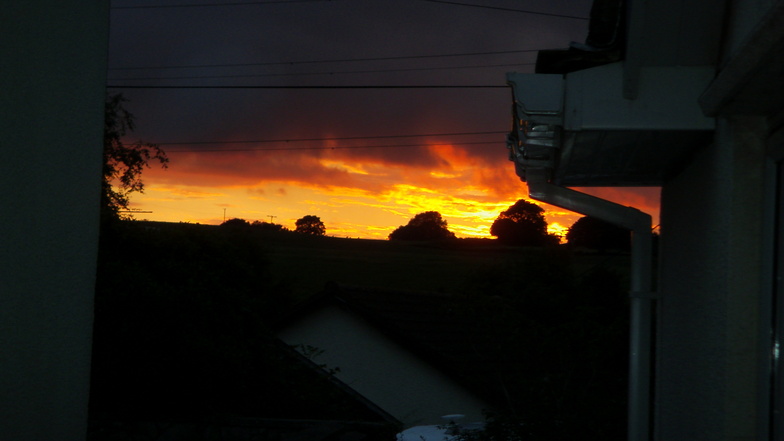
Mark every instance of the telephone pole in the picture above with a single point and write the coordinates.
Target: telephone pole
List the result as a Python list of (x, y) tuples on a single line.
[(271, 217)]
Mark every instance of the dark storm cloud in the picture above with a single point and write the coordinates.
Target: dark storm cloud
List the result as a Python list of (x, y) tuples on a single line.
[(161, 38)]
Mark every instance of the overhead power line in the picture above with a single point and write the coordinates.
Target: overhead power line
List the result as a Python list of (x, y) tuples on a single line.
[(274, 2), (340, 138), (293, 149), (525, 11), (335, 60), (200, 5), (294, 74), (451, 86)]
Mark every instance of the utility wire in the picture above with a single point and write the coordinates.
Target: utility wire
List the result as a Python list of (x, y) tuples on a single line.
[(341, 138), (293, 74), (291, 149), (525, 11), (451, 86), (338, 60), (272, 2), (199, 5)]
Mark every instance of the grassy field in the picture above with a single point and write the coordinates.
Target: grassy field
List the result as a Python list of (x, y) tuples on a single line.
[(310, 265), (306, 264), (177, 303)]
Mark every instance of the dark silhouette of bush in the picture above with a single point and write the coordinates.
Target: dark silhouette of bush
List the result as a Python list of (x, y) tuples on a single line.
[(181, 331), (235, 223), (268, 227), (522, 224), (565, 331), (593, 233), (427, 226), (310, 225)]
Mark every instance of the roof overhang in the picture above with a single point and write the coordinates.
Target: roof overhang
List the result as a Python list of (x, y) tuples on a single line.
[(633, 122), (581, 127)]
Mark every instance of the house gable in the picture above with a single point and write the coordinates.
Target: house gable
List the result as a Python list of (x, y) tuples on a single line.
[(384, 368)]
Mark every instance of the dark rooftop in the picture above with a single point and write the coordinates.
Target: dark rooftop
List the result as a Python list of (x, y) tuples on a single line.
[(434, 326)]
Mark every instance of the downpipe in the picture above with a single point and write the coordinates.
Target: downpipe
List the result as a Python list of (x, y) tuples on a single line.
[(641, 297)]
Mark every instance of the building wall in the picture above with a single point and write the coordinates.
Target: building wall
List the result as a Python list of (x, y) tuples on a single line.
[(383, 372), (712, 248), (741, 19), (52, 76)]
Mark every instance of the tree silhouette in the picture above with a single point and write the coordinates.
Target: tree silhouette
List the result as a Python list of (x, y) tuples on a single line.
[(268, 226), (522, 224), (236, 223), (310, 225), (424, 226), (123, 163), (590, 232)]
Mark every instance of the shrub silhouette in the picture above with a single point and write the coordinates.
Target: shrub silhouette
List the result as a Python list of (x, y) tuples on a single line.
[(522, 224), (427, 226), (310, 225), (590, 232)]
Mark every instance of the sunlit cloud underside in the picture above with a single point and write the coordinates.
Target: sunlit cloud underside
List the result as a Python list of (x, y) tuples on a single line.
[(365, 197)]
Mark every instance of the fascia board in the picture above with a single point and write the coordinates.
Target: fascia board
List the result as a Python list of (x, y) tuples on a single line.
[(667, 99)]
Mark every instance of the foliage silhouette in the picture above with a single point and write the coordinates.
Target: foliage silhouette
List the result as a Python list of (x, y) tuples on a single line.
[(427, 226), (123, 163), (590, 232), (268, 226), (566, 334), (235, 223), (310, 225), (180, 334), (522, 224)]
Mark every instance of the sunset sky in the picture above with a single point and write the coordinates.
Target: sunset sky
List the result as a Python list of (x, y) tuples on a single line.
[(365, 157)]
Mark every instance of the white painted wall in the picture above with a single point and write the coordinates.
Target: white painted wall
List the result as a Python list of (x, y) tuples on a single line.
[(52, 85), (380, 370), (712, 248)]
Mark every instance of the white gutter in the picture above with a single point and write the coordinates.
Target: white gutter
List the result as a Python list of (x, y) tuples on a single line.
[(642, 299)]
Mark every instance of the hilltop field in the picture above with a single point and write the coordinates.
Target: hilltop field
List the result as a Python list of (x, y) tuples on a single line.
[(305, 263)]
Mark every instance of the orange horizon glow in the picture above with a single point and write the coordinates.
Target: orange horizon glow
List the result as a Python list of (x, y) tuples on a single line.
[(355, 196)]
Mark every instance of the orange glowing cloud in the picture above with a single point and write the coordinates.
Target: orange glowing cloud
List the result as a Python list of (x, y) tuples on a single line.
[(356, 192)]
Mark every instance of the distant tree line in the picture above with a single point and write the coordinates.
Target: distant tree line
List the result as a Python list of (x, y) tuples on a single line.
[(522, 224), (309, 225)]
